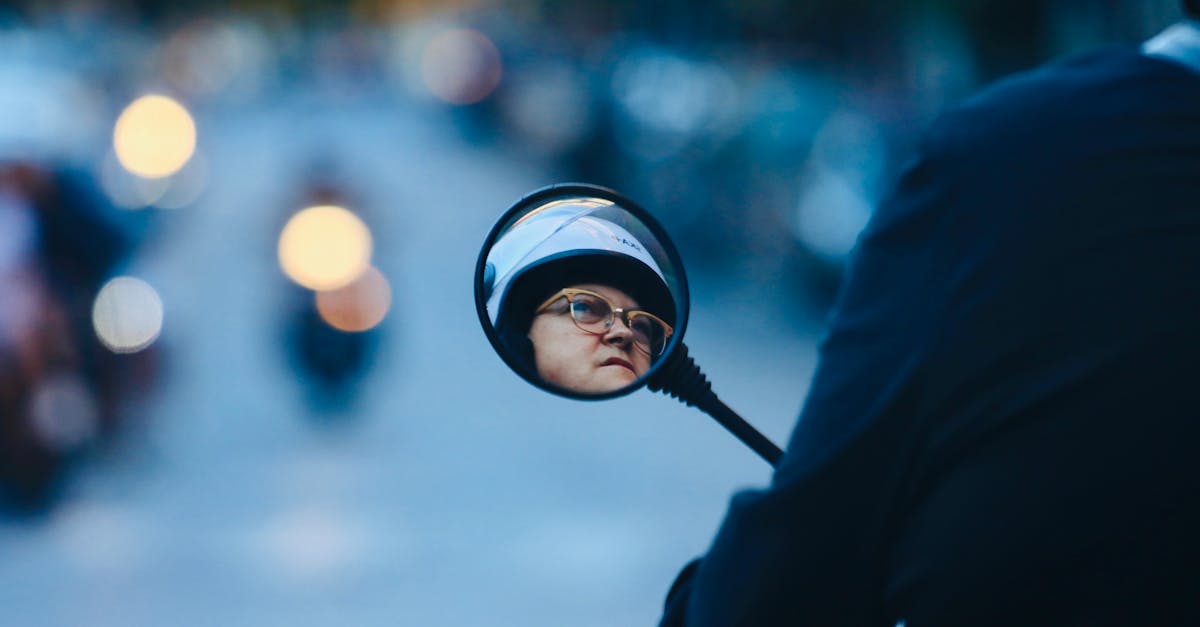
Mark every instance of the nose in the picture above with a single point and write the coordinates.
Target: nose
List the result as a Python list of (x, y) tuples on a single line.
[(619, 334)]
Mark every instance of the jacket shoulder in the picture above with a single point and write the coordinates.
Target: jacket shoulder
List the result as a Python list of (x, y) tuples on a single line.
[(1060, 98)]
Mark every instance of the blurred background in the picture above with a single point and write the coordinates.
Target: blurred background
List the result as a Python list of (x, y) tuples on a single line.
[(242, 380)]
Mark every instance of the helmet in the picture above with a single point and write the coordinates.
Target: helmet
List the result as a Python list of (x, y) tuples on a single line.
[(560, 245)]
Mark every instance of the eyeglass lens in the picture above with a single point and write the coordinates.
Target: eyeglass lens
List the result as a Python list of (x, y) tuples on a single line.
[(595, 315)]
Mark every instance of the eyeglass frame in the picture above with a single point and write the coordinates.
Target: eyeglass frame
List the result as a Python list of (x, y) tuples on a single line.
[(625, 315)]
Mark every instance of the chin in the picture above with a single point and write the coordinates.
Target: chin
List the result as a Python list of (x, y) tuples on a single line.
[(614, 380)]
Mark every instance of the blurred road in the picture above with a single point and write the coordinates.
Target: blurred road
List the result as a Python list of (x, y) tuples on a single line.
[(454, 493)]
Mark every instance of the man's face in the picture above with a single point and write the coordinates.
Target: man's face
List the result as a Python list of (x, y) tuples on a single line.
[(569, 357)]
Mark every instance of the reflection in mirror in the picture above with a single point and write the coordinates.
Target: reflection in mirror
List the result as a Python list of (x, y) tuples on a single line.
[(581, 296)]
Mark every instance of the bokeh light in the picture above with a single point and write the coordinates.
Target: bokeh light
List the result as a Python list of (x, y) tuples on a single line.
[(130, 191), (313, 543), (668, 100), (64, 412), (461, 66), (832, 210), (154, 136), (359, 306), (324, 247), (217, 57), (185, 186), (126, 189), (550, 105), (843, 172), (127, 315)]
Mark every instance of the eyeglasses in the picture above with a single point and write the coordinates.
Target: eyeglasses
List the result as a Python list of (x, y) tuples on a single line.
[(595, 314)]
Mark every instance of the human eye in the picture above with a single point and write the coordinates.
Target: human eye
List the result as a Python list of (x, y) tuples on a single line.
[(588, 308), (654, 333), (645, 328)]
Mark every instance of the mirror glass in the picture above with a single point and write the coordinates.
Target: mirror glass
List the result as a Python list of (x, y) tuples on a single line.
[(580, 292)]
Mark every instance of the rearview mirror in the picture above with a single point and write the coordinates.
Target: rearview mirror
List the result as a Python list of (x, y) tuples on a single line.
[(582, 294)]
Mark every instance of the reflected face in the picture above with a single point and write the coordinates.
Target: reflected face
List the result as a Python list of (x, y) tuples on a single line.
[(569, 357)]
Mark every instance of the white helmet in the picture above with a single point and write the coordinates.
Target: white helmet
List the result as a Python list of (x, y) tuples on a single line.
[(564, 242)]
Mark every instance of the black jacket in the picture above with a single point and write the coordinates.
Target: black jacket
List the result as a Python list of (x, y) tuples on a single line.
[(1004, 426)]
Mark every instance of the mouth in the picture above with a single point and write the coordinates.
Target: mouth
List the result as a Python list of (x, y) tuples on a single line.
[(617, 361)]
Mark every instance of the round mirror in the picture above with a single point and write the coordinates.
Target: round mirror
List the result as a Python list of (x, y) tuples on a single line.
[(581, 292)]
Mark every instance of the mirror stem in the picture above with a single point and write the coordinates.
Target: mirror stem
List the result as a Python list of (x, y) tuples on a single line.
[(681, 378)]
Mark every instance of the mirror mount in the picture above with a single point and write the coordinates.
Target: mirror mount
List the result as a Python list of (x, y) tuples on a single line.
[(679, 377)]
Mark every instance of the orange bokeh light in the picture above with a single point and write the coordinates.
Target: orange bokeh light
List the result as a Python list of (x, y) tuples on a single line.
[(359, 306), (461, 66)]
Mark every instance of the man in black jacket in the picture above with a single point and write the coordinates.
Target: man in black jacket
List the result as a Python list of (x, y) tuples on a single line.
[(1004, 427)]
